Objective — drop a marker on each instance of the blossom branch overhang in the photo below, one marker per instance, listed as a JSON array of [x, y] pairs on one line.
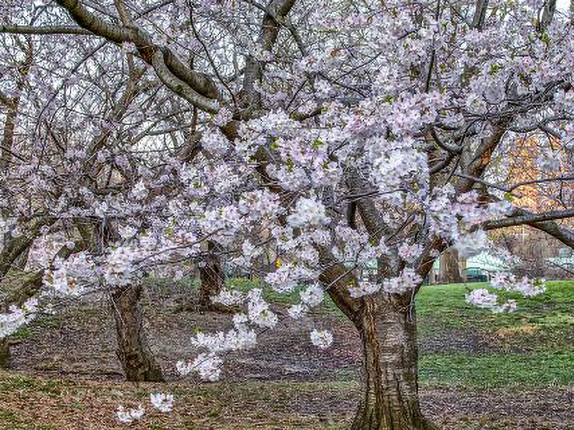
[[511, 188], [528, 219]]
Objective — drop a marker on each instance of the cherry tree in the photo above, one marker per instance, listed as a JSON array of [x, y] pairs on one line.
[[336, 133]]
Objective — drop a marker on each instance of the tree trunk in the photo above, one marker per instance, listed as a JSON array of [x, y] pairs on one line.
[[212, 280], [449, 269], [133, 350], [4, 353], [390, 397], [30, 283]]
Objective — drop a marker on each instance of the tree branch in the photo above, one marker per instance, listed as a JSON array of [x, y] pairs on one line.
[[520, 216], [194, 87], [50, 29], [277, 11], [180, 87]]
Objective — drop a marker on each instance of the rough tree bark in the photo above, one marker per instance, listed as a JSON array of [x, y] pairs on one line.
[[390, 373], [133, 349], [4, 353], [449, 269], [212, 280]]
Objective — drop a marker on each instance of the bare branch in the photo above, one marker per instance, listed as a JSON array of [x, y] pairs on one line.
[[547, 15], [90, 22], [510, 188], [278, 10], [481, 159]]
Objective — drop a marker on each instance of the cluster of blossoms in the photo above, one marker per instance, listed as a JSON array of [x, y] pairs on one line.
[[482, 298], [208, 366], [357, 248], [408, 280], [365, 288], [119, 268], [241, 337], [457, 218], [311, 297], [69, 277], [321, 338], [410, 253], [127, 416], [485, 299], [395, 169], [161, 401], [17, 317], [283, 279], [258, 310], [308, 212], [525, 286], [228, 297]]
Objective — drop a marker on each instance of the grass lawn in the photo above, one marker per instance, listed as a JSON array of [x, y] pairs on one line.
[[533, 346]]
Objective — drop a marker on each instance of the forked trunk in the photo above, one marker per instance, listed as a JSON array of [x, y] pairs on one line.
[[133, 350], [390, 397]]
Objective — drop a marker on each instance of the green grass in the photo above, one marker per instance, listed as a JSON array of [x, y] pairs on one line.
[[540, 369], [532, 347]]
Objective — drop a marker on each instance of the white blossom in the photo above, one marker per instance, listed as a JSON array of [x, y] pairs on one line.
[[410, 253], [119, 266], [296, 311], [208, 366], [471, 244], [140, 191], [161, 401], [312, 296], [129, 415], [228, 297], [17, 317], [364, 288], [482, 298], [406, 281], [183, 368], [308, 212], [258, 310], [321, 338]]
